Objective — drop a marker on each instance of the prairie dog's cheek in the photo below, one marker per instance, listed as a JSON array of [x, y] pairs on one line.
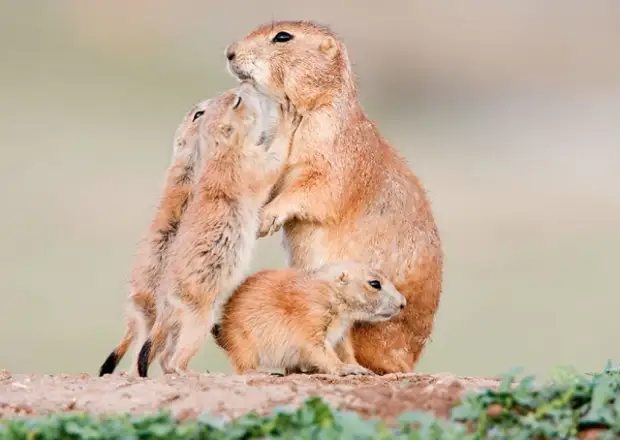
[[267, 79], [262, 75]]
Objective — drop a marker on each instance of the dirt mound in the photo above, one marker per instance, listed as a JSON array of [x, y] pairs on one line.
[[231, 396]]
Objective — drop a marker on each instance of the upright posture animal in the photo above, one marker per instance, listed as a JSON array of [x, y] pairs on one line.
[[249, 145], [292, 319], [346, 193], [187, 158]]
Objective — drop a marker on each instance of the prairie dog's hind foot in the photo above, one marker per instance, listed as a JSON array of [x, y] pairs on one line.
[[187, 372], [355, 370]]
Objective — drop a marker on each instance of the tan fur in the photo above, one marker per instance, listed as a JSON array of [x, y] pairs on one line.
[[249, 144], [346, 192], [152, 250], [292, 319]]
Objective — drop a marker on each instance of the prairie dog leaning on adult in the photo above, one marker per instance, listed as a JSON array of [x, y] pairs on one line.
[[187, 157], [346, 192], [293, 319], [248, 146]]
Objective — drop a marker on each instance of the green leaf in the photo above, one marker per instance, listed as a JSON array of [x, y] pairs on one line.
[[508, 378]]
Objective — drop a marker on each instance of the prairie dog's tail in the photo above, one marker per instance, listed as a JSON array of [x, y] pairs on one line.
[[117, 354], [151, 348], [216, 332]]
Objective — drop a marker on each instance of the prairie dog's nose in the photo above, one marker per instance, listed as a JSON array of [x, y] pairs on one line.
[[230, 52], [403, 304]]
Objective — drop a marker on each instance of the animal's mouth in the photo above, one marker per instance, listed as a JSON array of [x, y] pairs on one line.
[[384, 316], [388, 312], [241, 74]]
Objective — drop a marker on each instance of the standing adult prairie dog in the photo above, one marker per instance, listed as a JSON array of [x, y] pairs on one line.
[[249, 145], [346, 193], [292, 319], [187, 156]]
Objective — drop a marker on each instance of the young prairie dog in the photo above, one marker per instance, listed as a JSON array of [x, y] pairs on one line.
[[292, 319], [249, 145], [187, 156], [346, 193]]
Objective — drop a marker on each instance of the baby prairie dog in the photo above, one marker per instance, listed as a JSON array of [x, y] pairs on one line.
[[152, 250], [346, 193], [292, 319], [248, 146]]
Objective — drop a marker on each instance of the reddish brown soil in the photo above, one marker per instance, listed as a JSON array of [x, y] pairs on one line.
[[230, 396]]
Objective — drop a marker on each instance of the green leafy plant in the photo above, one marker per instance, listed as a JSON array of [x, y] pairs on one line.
[[567, 406]]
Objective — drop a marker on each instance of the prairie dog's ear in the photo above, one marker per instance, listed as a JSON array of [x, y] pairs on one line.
[[329, 46], [343, 278], [226, 130]]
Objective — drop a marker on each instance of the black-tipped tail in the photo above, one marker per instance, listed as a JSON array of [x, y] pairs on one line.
[[216, 332], [109, 364], [143, 358]]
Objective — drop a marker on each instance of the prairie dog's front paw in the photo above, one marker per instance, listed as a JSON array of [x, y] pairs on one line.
[[270, 221]]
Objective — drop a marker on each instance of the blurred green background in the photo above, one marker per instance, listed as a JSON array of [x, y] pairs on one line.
[[508, 111]]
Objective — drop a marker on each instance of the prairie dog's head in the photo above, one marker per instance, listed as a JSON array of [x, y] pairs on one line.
[[296, 59], [247, 126], [187, 139], [367, 294]]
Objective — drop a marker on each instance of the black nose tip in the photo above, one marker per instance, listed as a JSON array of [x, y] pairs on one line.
[[402, 306], [230, 54]]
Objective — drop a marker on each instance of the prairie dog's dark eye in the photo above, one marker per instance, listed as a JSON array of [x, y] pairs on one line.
[[282, 37], [375, 284], [198, 114], [237, 102]]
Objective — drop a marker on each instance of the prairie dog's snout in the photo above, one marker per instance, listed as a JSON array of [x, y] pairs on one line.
[[230, 52], [390, 301]]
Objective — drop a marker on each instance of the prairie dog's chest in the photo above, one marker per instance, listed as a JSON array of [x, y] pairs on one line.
[[313, 148], [315, 136], [337, 330], [239, 233], [248, 214]]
